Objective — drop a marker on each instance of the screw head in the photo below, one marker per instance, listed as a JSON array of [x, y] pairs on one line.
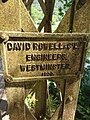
[[69, 99], [4, 1]]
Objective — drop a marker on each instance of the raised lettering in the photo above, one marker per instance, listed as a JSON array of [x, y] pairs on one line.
[[27, 45], [44, 57], [22, 68], [18, 46], [9, 46]]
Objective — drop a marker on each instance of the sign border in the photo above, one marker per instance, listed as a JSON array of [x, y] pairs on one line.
[[26, 35]]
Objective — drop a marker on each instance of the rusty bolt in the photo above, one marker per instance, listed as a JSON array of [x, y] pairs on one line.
[[4, 37], [8, 80], [69, 99]]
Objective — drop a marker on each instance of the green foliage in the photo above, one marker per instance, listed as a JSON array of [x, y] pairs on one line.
[[88, 51], [36, 14], [65, 4], [31, 101], [83, 108], [53, 100]]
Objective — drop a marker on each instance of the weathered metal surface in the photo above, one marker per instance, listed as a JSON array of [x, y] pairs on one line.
[[40, 56], [11, 20], [16, 106], [27, 25], [47, 8], [70, 98], [81, 18], [81, 24], [63, 27], [10, 15], [66, 106]]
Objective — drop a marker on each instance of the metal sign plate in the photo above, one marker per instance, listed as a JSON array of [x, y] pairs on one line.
[[28, 56]]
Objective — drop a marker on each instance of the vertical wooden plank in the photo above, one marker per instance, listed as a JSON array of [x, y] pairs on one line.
[[47, 25]]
